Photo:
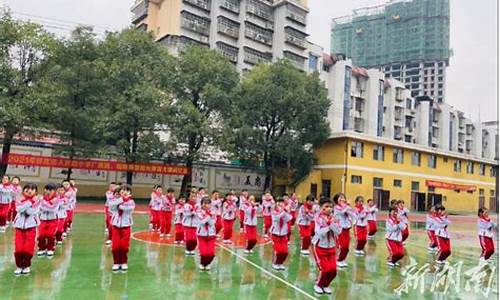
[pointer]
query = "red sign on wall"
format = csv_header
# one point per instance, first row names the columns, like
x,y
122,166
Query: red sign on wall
x,y
450,186
94,164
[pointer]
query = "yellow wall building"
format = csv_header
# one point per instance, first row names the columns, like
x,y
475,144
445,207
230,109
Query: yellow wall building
x,y
385,169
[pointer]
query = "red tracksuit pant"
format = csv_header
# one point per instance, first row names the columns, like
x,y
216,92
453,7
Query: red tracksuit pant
x,y
396,250
305,236
268,221
179,232
207,249
155,219
120,244
24,246
228,229
444,248
432,238
343,240
190,238
12,211
251,236
313,227
218,224
406,232
361,232
47,234
487,245
327,264
372,227
280,247
242,219
294,217
4,213
60,229
166,222
69,220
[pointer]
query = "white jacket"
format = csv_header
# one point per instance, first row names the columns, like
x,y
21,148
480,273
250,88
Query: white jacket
x,y
189,218
109,197
71,196
156,201
280,219
251,212
6,194
429,222
394,229
48,209
63,206
267,207
361,216
345,215
485,227
121,212
229,210
217,206
403,215
178,213
206,223
167,203
305,216
372,213
326,230
441,226
27,213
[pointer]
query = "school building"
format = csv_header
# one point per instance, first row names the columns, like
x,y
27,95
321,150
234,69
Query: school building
x,y
385,169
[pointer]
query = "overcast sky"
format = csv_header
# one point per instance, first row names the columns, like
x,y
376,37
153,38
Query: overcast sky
x,y
471,83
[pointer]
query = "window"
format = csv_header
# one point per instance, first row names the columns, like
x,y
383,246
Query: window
x,y
397,155
313,62
445,159
415,159
357,149
408,103
356,179
378,182
397,183
470,167
228,27
378,152
482,169
415,185
457,166
254,57
432,161
492,193
258,34
493,172
431,189
481,192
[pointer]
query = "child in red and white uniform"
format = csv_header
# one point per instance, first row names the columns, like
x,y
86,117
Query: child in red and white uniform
x,y
61,213
178,217
251,210
429,227
72,203
293,203
25,224
49,206
190,224
155,205
485,228
228,216
279,233
17,191
242,201
305,217
345,216
110,193
288,208
206,233
70,194
403,216
441,224
372,218
167,205
394,236
121,208
202,192
217,207
361,228
6,196
268,205
316,210
324,241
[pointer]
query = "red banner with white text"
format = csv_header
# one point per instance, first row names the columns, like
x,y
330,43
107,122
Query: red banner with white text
x,y
450,186
93,164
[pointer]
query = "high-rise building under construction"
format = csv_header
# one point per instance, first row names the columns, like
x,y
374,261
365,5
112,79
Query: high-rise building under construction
x,y
407,40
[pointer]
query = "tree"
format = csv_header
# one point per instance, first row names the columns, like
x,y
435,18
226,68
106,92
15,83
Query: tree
x,y
24,51
136,104
74,83
203,84
279,116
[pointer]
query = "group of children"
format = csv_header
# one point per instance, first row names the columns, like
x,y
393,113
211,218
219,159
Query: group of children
x,y
51,213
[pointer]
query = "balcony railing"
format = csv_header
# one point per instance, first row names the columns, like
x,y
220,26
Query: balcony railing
x,y
139,11
298,42
296,17
203,4
231,5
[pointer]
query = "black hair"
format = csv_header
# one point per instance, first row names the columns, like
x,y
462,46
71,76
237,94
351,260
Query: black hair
x,y
6,176
50,186
170,190
391,209
112,182
126,187
267,192
65,180
214,191
59,186
156,186
310,197
325,200
280,199
119,183
440,207
337,197
117,190
401,201
206,200
200,188
393,202
369,199
14,177
358,198
285,195
30,186
481,210
244,190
